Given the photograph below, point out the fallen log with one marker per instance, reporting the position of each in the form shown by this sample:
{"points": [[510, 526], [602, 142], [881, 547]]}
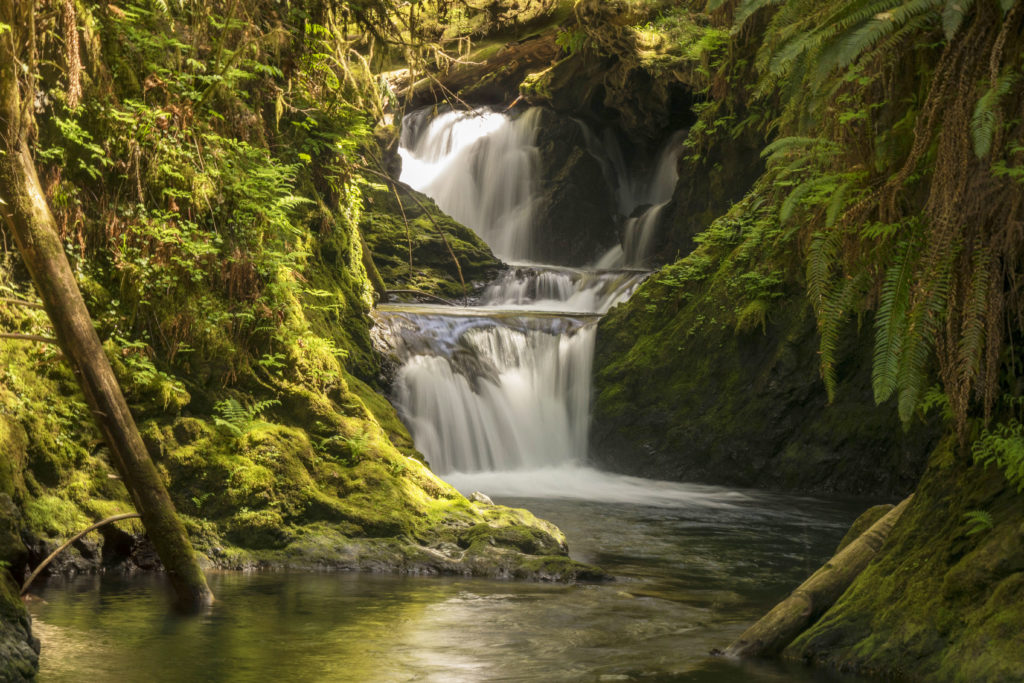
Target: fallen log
{"points": [[494, 80], [777, 629]]}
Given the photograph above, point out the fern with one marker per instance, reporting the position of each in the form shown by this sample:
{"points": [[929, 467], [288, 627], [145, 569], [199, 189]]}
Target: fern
{"points": [[822, 257], [972, 336], [891, 325], [985, 119], [1003, 446], [747, 9], [953, 16], [978, 521], [237, 419]]}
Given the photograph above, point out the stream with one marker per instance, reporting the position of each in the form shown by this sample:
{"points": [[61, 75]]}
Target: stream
{"points": [[497, 396]]}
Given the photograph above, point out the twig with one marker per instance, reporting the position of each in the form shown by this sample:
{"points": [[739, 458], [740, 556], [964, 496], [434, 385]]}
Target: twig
{"points": [[21, 302], [28, 337], [419, 293], [58, 551]]}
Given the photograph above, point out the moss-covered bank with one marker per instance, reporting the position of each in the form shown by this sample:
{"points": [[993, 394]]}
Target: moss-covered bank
{"points": [[708, 374], [417, 247], [944, 600]]}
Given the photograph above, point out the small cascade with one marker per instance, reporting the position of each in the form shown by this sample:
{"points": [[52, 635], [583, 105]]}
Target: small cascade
{"points": [[506, 385], [551, 288], [479, 166], [642, 200], [496, 392]]}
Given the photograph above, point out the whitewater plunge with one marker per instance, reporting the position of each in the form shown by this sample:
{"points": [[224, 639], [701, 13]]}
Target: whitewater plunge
{"points": [[498, 394]]}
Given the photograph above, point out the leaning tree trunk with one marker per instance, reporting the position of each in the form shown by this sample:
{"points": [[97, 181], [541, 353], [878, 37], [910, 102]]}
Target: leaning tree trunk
{"points": [[27, 215], [777, 629]]}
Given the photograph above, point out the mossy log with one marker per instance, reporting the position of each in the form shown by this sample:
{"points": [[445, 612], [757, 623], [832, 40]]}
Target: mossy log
{"points": [[26, 214], [495, 79], [777, 629]]}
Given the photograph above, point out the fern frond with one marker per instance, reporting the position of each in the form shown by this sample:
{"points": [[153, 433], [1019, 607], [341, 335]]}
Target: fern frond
{"points": [[748, 8], [891, 325], [822, 257], [971, 346], [919, 338], [953, 16], [985, 119], [978, 521]]}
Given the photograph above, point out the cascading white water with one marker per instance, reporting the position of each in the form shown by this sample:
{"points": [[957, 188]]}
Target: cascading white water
{"points": [[496, 394], [504, 386], [550, 288], [652, 196], [479, 167]]}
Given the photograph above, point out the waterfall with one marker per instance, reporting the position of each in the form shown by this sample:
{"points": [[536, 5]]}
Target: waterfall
{"points": [[643, 200], [479, 167], [496, 394], [505, 386]]}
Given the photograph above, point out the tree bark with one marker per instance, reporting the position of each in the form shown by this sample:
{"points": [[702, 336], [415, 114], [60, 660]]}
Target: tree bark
{"points": [[24, 210], [777, 629]]}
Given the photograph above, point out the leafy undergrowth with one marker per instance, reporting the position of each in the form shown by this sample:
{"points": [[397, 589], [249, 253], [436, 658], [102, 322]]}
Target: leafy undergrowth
{"points": [[306, 478]]}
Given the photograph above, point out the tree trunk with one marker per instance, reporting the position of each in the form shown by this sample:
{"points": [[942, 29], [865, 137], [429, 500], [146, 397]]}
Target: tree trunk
{"points": [[24, 210], [777, 629]]}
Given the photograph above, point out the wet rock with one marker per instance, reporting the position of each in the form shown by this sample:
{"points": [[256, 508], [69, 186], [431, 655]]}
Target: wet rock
{"points": [[744, 408], [575, 216], [19, 649], [477, 497]]}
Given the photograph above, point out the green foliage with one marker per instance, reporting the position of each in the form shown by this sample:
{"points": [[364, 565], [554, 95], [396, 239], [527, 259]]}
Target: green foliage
{"points": [[235, 419], [571, 40], [977, 521], [1002, 445], [986, 118]]}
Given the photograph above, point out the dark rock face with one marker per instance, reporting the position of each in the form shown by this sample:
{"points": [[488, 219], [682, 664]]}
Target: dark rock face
{"points": [[745, 409], [575, 217], [706, 189], [19, 650]]}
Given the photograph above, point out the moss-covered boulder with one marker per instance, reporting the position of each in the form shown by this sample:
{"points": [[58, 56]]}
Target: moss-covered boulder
{"points": [[944, 600], [404, 233], [19, 650]]}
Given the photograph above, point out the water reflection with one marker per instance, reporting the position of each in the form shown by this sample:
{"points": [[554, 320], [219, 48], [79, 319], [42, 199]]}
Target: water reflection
{"points": [[689, 579]]}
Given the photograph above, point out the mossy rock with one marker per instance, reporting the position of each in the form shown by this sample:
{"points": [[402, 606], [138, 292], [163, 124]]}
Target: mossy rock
{"points": [[863, 523], [19, 650], [391, 236]]}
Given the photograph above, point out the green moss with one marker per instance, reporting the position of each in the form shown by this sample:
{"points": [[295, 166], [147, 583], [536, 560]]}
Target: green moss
{"points": [[51, 516], [863, 523], [391, 238], [938, 603]]}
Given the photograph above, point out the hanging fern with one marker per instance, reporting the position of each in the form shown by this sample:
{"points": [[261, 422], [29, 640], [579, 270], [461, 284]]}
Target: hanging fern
{"points": [[891, 324], [985, 119]]}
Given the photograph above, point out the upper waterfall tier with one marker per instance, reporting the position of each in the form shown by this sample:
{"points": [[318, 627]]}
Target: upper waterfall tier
{"points": [[480, 168]]}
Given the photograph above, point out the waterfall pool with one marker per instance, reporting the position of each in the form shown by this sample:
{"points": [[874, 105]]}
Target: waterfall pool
{"points": [[694, 565]]}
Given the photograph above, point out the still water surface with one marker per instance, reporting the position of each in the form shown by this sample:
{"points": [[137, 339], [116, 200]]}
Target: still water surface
{"points": [[694, 566]]}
